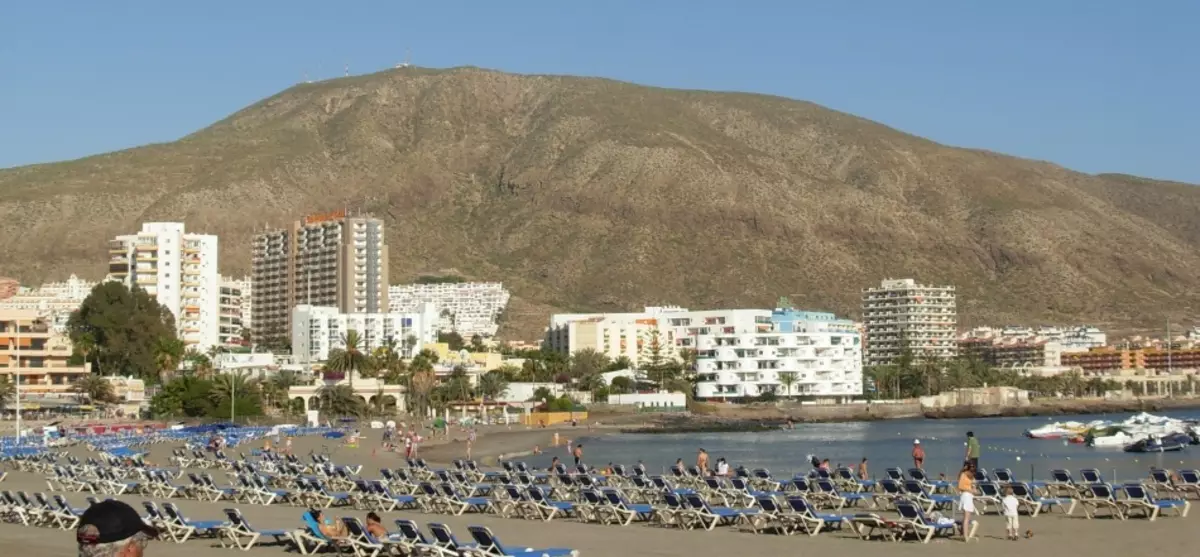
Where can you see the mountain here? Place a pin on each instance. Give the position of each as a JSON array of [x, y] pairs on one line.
[[591, 194]]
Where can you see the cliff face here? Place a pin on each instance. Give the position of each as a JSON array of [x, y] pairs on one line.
[[591, 194]]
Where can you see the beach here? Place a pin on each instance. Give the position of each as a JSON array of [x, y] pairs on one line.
[[1052, 533]]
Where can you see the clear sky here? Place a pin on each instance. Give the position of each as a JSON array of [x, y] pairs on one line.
[[1095, 85]]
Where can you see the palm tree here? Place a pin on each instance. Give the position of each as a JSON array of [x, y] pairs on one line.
[[7, 390], [168, 352], [340, 400], [410, 344], [201, 365], [387, 359], [229, 386], [276, 389], [95, 389], [349, 359], [787, 379], [421, 381], [493, 385]]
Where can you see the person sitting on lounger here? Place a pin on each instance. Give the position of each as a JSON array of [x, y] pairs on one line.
[[332, 528], [375, 526]]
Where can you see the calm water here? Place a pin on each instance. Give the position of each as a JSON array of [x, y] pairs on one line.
[[885, 444]]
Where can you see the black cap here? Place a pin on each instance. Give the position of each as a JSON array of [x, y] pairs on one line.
[[111, 521]]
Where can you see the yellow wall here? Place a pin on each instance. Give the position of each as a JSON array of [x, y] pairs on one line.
[[551, 418]]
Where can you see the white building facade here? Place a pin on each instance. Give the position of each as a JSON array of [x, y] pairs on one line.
[[317, 330], [902, 314], [52, 301], [818, 359], [468, 308], [232, 320], [180, 270], [657, 331]]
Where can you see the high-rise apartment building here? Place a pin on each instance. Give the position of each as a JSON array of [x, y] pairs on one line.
[[233, 316], [902, 314], [179, 269], [326, 260]]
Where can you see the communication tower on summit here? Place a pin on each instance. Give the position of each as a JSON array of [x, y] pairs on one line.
[[407, 59]]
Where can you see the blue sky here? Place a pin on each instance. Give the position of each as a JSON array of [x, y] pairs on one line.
[[1098, 86]]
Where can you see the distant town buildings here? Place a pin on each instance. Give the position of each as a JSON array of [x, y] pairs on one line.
[[234, 294], [36, 356], [799, 354], [53, 302], [179, 269], [636, 336], [8, 288], [318, 330], [327, 260], [903, 315], [468, 308]]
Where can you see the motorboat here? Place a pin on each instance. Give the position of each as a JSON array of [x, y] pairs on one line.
[[1160, 444], [1057, 430], [1110, 437]]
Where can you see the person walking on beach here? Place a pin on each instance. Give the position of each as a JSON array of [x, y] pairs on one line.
[[862, 470], [702, 461], [972, 455], [1011, 517], [113, 529], [918, 455], [470, 442], [966, 497]]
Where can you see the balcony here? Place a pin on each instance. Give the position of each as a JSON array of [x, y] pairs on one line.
[[152, 279]]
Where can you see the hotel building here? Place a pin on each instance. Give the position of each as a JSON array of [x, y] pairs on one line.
[[318, 330], [902, 314], [36, 355], [801, 354], [180, 270], [468, 308], [328, 260]]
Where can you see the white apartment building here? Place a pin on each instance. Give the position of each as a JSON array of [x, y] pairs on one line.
[[53, 301], [180, 270], [903, 314], [1078, 338], [468, 308], [635, 335], [318, 330], [803, 354], [234, 293]]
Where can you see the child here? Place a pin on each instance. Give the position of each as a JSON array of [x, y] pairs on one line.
[[1009, 503], [375, 526]]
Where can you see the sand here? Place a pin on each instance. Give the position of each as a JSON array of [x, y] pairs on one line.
[[1054, 534]]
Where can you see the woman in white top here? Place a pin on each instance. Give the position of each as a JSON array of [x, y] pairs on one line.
[[722, 467]]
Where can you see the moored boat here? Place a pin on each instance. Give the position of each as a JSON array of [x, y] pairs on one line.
[[1167, 443]]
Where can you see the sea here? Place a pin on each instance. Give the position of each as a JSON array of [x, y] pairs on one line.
[[884, 444]]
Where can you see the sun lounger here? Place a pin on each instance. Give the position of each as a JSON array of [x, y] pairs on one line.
[[413, 542], [1034, 504], [710, 516], [489, 546], [804, 517], [914, 520], [360, 540], [867, 524], [1139, 500], [243, 536], [1097, 497]]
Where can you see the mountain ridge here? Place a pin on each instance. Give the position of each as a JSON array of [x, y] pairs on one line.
[[595, 194]]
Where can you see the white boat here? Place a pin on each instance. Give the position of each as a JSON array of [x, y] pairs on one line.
[[1056, 430], [1117, 439]]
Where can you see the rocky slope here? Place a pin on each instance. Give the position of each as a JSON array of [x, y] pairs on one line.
[[590, 194]]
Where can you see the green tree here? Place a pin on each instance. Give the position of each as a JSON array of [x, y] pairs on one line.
[[477, 343], [622, 385], [350, 359], [458, 385], [620, 364], [388, 362], [588, 362], [340, 400], [199, 364], [590, 382], [168, 352], [121, 328], [184, 396], [95, 389], [787, 379], [453, 339], [493, 385], [7, 390]]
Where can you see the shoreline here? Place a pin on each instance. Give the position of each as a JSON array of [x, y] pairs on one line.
[[754, 419]]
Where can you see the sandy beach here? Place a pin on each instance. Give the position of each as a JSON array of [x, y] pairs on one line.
[[1052, 533]]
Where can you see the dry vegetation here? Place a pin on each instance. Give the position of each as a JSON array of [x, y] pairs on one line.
[[593, 194]]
